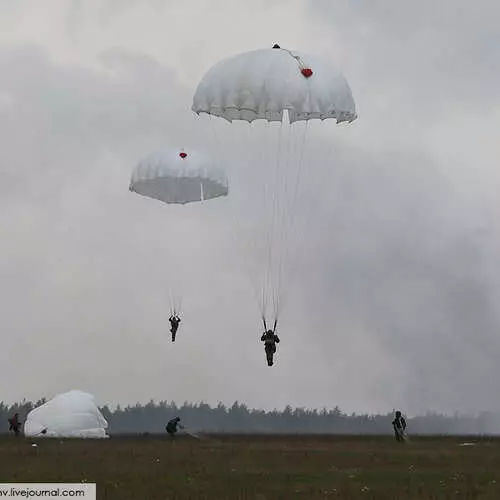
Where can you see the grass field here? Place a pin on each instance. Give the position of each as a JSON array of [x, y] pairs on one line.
[[261, 467]]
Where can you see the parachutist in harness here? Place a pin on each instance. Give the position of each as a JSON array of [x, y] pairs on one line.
[[174, 325], [399, 424], [171, 426], [14, 424], [270, 340]]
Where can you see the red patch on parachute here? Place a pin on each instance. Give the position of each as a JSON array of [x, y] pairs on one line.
[[307, 72], [182, 155]]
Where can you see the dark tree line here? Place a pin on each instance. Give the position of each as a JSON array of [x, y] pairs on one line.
[[238, 418]]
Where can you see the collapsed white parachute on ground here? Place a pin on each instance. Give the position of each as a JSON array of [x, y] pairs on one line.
[[73, 414], [267, 85]]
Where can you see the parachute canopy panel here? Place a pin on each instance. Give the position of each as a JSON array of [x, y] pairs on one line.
[[73, 414], [261, 84], [179, 177]]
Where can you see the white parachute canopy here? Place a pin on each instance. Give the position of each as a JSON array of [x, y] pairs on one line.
[[180, 177], [73, 414], [261, 84]]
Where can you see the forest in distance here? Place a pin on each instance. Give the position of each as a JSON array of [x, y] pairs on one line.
[[238, 418]]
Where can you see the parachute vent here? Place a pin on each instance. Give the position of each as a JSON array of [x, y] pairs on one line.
[[183, 155], [307, 72]]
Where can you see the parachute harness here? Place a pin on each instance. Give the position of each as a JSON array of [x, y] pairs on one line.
[[274, 326]]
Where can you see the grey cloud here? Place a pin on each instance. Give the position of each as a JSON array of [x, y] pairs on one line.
[[428, 56], [392, 300], [410, 260]]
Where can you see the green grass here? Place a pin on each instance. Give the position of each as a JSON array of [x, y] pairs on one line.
[[261, 467]]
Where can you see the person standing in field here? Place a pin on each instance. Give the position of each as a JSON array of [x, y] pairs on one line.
[[15, 424], [399, 425]]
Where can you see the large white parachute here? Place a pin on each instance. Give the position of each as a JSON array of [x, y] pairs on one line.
[[280, 87], [73, 414], [261, 84], [178, 177]]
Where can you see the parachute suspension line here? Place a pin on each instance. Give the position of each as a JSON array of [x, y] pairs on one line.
[[175, 295], [253, 239], [178, 305], [271, 233], [282, 225], [270, 220], [263, 153], [174, 308], [235, 236], [260, 291], [290, 219], [288, 223], [282, 221]]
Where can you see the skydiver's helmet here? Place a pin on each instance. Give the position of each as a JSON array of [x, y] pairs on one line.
[[177, 419], [398, 414]]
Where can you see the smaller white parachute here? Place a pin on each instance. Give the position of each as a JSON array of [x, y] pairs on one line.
[[73, 414], [180, 177]]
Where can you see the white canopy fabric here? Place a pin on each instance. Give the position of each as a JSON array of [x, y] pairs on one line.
[[71, 414], [261, 84], [180, 177]]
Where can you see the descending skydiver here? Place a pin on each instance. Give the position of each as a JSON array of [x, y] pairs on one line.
[[399, 424], [270, 340], [174, 325], [171, 426], [15, 424]]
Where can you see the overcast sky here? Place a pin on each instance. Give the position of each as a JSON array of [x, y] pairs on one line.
[[394, 297]]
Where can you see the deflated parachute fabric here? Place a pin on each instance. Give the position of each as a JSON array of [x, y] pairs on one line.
[[260, 84], [72, 414], [179, 177]]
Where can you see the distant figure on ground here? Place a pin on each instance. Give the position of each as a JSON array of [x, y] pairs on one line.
[[399, 424], [174, 325], [172, 425], [270, 340], [15, 424]]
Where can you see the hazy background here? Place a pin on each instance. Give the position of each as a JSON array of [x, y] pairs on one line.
[[395, 291]]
